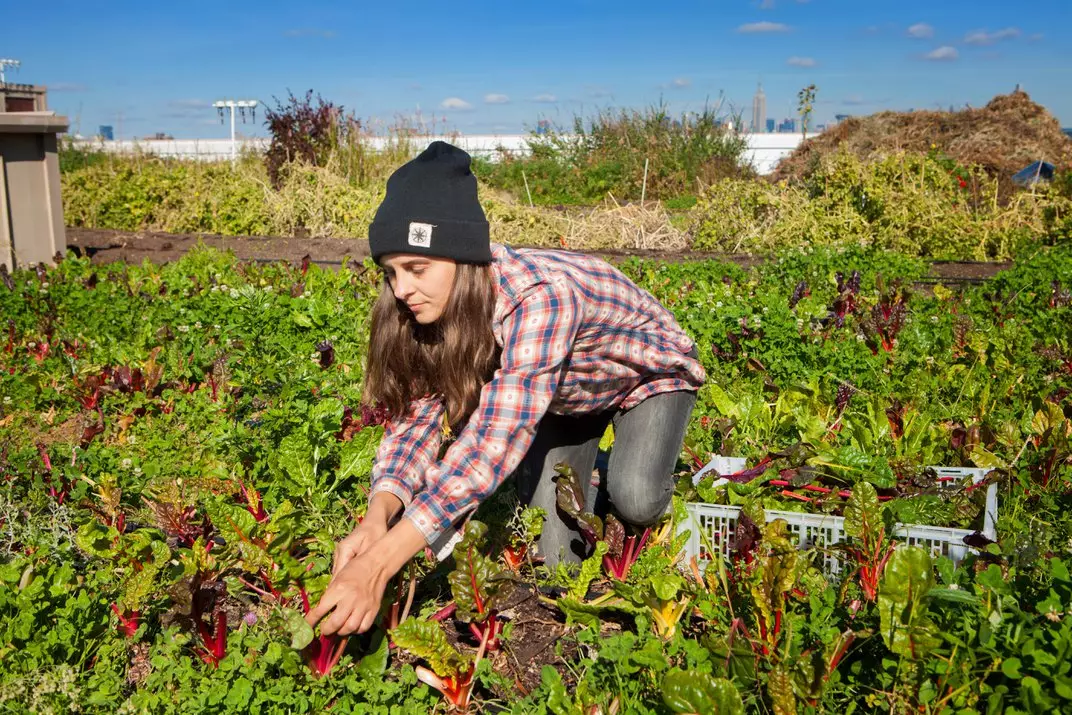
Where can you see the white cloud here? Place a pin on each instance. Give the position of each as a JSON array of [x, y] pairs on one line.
[[496, 99], [801, 62], [921, 31], [945, 53], [455, 103], [766, 4], [983, 38], [1037, 37], [545, 98], [681, 82], [761, 27]]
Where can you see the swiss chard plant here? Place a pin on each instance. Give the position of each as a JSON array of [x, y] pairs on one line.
[[622, 550], [480, 585], [449, 671]]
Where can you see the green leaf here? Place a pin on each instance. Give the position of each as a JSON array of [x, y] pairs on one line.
[[240, 693], [863, 513], [701, 693], [374, 664], [780, 689], [726, 405], [477, 582], [579, 612], [558, 700], [851, 463], [359, 453], [775, 565], [591, 568], [140, 585], [96, 539], [1047, 418], [1011, 668], [986, 460], [667, 585], [950, 595], [301, 633], [903, 596], [426, 639], [607, 440], [295, 455]]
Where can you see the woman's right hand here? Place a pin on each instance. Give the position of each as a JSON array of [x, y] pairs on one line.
[[368, 532]]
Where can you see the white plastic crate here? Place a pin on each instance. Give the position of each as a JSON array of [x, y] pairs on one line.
[[717, 524]]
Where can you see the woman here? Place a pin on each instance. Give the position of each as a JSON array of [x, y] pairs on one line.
[[527, 355]]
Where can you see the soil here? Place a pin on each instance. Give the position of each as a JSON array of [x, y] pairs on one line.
[[536, 639], [106, 246]]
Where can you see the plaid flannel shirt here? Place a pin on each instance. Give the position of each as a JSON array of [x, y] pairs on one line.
[[577, 336]]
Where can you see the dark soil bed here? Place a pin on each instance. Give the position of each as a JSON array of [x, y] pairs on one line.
[[106, 246]]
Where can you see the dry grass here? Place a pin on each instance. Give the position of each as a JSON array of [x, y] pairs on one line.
[[610, 226], [1006, 135]]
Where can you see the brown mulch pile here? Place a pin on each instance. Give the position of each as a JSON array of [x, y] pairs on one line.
[[1006, 135]]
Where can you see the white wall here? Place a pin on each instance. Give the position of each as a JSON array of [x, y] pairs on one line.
[[764, 150]]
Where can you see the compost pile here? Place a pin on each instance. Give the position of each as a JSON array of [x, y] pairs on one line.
[[1006, 135]]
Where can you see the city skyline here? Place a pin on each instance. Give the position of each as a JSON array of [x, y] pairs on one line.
[[501, 69]]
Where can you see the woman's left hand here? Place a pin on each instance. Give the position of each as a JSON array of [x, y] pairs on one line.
[[355, 594]]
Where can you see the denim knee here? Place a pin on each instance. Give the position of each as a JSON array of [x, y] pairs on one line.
[[638, 499]]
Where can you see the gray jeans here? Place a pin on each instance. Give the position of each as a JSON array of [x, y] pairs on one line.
[[639, 477]]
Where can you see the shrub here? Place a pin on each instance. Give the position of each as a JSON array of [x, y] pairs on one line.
[[917, 205], [606, 155]]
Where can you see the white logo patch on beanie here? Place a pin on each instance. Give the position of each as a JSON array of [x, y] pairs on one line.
[[420, 234]]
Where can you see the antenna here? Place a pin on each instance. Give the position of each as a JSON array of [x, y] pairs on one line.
[[4, 64]]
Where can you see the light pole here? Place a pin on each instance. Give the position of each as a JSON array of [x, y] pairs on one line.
[[4, 64], [241, 105]]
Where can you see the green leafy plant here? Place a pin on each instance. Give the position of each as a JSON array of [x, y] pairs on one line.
[[622, 551], [479, 585]]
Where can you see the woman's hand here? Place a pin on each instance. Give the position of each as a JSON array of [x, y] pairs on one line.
[[368, 532], [383, 507], [356, 592]]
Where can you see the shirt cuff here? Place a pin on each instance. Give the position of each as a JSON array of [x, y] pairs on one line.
[[439, 536], [394, 486]]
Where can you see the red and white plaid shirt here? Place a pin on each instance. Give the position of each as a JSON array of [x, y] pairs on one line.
[[577, 337]]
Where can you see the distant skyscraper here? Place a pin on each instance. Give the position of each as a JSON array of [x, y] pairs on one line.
[[788, 125], [770, 126], [759, 110], [106, 132]]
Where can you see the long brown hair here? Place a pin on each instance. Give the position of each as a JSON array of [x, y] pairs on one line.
[[452, 358]]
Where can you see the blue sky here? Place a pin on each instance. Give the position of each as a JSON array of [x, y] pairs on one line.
[[501, 66]]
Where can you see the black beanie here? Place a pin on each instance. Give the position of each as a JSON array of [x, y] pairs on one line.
[[431, 208]]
